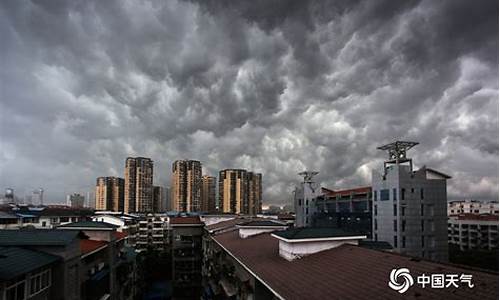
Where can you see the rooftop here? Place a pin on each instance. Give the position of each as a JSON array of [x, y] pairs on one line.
[[343, 270], [262, 223], [90, 225], [37, 237], [188, 220], [16, 261], [315, 233], [88, 246], [358, 190]]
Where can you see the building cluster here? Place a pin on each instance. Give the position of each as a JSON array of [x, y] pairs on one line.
[[473, 225], [79, 260], [240, 191]]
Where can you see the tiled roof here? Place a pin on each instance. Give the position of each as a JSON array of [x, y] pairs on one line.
[[314, 233], [346, 272], [16, 261], [359, 190], [89, 224], [6, 215], [476, 217], [186, 220], [87, 246], [120, 235], [37, 237], [262, 223]]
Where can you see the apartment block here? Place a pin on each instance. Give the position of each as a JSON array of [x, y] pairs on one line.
[[410, 207], [472, 207], [304, 196], [75, 200], [473, 231], [159, 199], [186, 185], [240, 192], [208, 194], [152, 232], [110, 193], [138, 185]]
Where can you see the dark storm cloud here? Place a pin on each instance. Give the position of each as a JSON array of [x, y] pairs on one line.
[[273, 86]]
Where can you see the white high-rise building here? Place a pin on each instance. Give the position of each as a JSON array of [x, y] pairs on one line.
[[410, 206]]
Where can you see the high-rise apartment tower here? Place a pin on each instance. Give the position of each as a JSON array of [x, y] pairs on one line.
[[109, 193], [208, 194], [138, 184], [186, 185]]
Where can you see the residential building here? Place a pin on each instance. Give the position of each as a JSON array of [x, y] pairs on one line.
[[186, 185], [317, 263], [127, 224], [138, 185], [254, 193], [110, 194], [152, 232], [240, 192], [409, 207], [472, 207], [43, 217], [208, 194], [473, 231], [186, 234], [304, 196], [75, 200], [159, 201], [27, 274], [348, 209]]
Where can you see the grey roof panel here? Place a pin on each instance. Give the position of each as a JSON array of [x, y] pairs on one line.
[[16, 261]]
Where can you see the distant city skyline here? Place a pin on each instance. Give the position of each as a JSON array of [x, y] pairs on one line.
[[307, 85]]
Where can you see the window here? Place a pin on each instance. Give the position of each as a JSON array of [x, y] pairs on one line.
[[402, 210], [16, 291], [300, 202], [412, 190], [421, 193], [39, 282], [64, 219], [395, 210], [423, 241], [374, 195], [395, 241], [384, 195], [44, 224], [375, 224], [376, 237], [375, 210], [403, 242], [403, 225], [394, 195], [422, 223], [307, 210], [395, 225], [307, 202], [402, 194], [421, 209]]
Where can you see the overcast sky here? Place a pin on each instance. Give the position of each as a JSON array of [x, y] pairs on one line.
[[276, 87]]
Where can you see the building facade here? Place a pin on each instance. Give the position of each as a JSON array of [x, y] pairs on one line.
[[304, 197], [240, 192], [110, 193], [138, 185], [409, 207], [186, 185], [472, 207], [208, 194], [159, 199], [75, 200], [473, 232]]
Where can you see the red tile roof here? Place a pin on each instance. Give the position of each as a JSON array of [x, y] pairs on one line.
[[87, 246], [120, 235], [483, 217], [359, 190], [185, 220], [346, 272]]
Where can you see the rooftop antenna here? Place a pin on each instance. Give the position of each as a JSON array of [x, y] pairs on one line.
[[308, 176], [397, 153]]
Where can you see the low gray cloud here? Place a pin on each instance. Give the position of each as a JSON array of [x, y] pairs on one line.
[[272, 86]]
